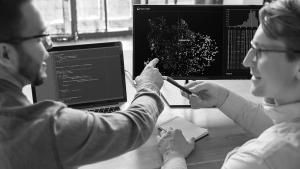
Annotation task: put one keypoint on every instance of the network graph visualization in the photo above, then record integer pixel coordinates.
(194, 42)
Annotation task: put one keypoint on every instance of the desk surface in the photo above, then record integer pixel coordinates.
(210, 151)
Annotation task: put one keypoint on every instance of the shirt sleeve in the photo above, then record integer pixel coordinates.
(243, 160)
(85, 137)
(247, 114)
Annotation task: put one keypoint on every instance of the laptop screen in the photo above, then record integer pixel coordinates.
(84, 75)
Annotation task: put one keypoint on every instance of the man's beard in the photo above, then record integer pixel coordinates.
(30, 69)
(32, 75)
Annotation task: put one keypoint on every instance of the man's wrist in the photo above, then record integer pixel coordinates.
(171, 155)
(149, 86)
(225, 94)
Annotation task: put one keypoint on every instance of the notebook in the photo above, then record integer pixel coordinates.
(85, 76)
(189, 130)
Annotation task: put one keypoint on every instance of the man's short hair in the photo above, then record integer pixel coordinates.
(280, 20)
(11, 19)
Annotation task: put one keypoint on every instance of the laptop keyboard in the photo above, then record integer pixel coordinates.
(106, 109)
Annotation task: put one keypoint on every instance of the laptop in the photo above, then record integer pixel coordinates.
(86, 76)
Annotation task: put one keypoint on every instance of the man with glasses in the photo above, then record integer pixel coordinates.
(274, 62)
(49, 135)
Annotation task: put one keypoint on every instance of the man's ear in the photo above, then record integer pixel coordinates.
(8, 57)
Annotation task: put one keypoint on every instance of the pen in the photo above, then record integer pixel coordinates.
(161, 130)
(172, 81)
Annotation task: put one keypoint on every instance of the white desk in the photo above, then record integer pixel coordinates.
(210, 151)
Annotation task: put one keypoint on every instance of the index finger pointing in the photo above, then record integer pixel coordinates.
(153, 62)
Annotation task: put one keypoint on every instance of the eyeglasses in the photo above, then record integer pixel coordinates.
(257, 51)
(46, 40)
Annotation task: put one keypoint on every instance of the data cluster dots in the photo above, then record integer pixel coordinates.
(181, 51)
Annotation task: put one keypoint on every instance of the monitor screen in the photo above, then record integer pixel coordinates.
(87, 73)
(194, 41)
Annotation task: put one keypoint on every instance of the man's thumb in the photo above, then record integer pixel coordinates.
(192, 140)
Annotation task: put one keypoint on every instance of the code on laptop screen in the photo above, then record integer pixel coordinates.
(84, 75)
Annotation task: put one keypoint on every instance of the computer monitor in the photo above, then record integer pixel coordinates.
(84, 75)
(194, 41)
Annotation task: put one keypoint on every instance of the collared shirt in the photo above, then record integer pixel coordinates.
(277, 128)
(50, 135)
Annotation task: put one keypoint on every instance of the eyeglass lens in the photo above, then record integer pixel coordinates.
(254, 52)
(47, 42)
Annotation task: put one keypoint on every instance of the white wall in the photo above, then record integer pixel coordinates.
(253, 2)
(240, 2)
